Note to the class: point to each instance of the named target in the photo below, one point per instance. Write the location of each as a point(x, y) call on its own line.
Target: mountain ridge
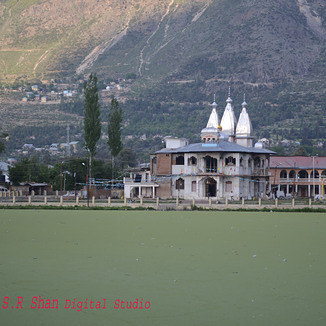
point(179, 51)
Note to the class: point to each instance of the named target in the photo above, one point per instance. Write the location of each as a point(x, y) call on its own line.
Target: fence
point(14, 199)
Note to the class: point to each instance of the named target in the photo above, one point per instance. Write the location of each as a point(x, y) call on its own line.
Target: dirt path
point(100, 49)
point(141, 60)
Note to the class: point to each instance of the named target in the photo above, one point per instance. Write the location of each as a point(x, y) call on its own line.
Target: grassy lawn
point(195, 268)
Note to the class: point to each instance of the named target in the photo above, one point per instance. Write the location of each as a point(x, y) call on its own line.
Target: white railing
point(300, 180)
point(142, 181)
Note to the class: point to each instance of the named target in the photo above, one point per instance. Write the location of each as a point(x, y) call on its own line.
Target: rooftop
point(298, 162)
point(221, 146)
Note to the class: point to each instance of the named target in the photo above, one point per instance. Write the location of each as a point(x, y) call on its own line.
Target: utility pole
point(61, 177)
point(68, 140)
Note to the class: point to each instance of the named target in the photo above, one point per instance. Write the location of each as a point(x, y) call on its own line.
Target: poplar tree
point(114, 130)
point(92, 123)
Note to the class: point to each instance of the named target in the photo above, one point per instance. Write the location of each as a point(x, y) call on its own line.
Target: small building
point(140, 183)
point(28, 187)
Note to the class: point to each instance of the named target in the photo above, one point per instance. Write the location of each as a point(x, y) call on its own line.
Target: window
point(303, 174)
point(283, 174)
point(180, 184)
point(230, 160)
point(292, 174)
point(192, 160)
point(193, 186)
point(257, 162)
point(180, 160)
point(228, 186)
point(211, 164)
point(316, 174)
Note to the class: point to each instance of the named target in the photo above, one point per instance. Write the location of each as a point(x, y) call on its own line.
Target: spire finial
point(214, 97)
point(229, 100)
point(244, 104)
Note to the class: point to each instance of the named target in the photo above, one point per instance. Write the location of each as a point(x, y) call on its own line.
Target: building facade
point(298, 176)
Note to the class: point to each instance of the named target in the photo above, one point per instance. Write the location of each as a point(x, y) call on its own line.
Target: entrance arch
point(210, 187)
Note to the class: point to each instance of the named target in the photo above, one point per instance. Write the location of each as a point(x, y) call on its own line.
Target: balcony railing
point(300, 180)
point(145, 181)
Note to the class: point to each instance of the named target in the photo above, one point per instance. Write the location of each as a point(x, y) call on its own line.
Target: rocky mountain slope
point(180, 51)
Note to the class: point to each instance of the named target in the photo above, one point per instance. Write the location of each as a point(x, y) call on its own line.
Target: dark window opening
point(180, 160)
point(230, 160)
point(180, 184)
point(192, 160)
point(211, 164)
point(283, 174)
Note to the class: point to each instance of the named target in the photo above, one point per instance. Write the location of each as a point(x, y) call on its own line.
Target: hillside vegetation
point(181, 52)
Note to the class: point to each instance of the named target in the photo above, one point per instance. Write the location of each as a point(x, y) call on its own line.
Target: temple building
point(225, 165)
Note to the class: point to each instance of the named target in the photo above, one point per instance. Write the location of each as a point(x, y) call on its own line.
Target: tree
point(92, 123)
point(301, 151)
point(114, 129)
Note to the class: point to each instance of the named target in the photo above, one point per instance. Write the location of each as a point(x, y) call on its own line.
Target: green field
point(195, 268)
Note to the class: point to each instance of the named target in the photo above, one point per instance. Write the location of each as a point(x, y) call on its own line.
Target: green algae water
point(162, 268)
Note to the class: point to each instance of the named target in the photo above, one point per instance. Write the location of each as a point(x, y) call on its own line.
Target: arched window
point(230, 160)
point(180, 184)
point(180, 160)
point(257, 162)
point(323, 174)
point(241, 161)
point(283, 174)
point(303, 174)
point(292, 174)
point(192, 160)
point(316, 174)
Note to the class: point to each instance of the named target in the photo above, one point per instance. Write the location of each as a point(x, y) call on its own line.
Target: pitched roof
point(298, 162)
point(221, 146)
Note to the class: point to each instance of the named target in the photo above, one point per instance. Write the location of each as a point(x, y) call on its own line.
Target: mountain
point(181, 52)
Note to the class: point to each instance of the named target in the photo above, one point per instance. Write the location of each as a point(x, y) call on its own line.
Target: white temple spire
point(210, 133)
point(229, 121)
point(244, 127)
